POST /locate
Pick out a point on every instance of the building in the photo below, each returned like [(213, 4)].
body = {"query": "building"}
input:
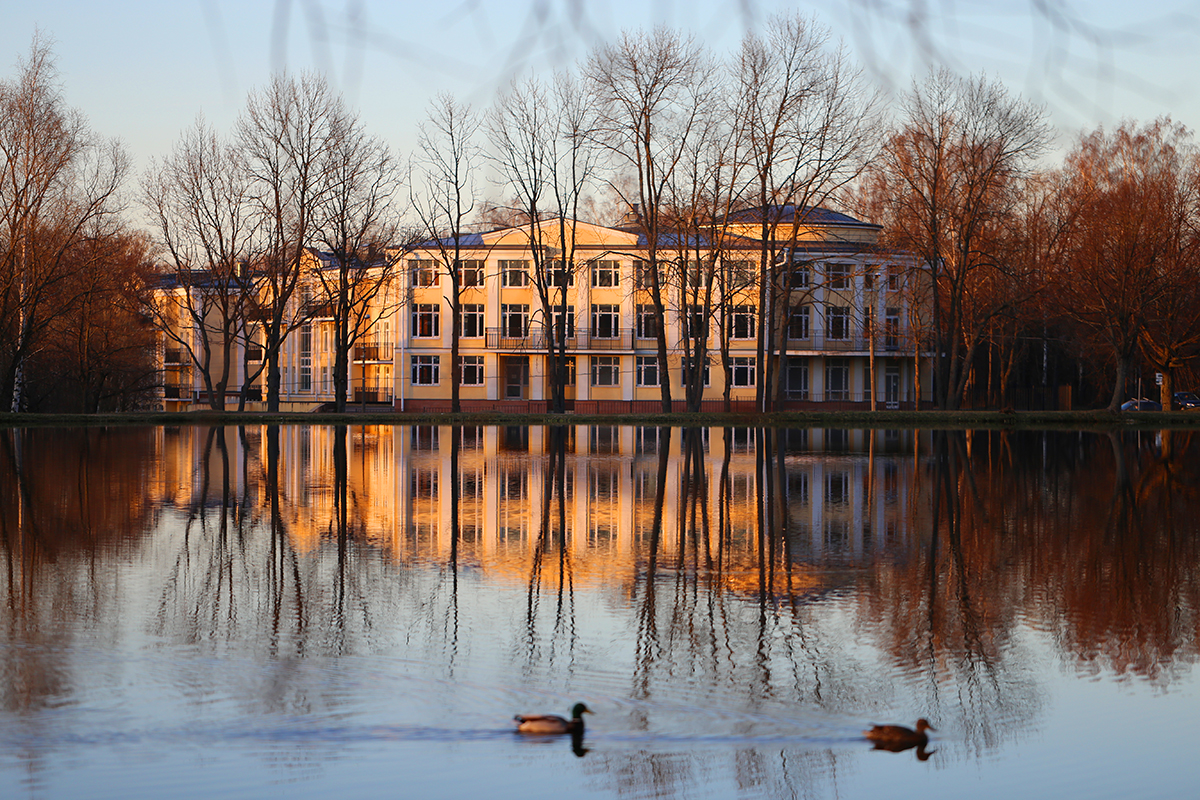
[(849, 316)]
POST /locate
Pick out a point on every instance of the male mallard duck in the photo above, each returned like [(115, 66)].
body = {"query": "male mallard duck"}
[(898, 737), (549, 723)]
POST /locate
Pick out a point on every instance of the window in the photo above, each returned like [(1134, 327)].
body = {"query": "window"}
[(472, 370), (563, 321), (426, 319), (891, 328), (687, 371), (605, 273), (799, 277), (647, 370), (306, 338), (693, 272), (470, 320), (741, 322), (514, 273), (695, 320), (568, 370), (742, 273), (893, 277), (559, 274), (839, 322), (797, 378), (424, 272), (470, 272), (837, 379), (642, 279), (744, 371), (606, 371), (606, 320), (869, 280), (426, 370), (647, 323), (798, 323), (838, 276), (514, 320)]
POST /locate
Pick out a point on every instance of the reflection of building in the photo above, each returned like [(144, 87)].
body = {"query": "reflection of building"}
[(848, 313), (842, 497)]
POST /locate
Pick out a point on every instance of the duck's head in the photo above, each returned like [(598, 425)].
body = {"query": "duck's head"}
[(923, 725), (579, 710)]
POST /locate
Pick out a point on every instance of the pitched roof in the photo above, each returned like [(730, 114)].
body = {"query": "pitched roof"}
[(787, 213)]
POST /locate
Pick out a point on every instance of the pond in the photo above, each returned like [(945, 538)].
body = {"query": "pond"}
[(360, 611)]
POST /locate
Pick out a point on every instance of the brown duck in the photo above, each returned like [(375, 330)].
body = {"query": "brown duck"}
[(551, 724), (898, 737)]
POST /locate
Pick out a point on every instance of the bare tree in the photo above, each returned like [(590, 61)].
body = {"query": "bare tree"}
[(197, 201), (946, 184), (540, 138), (442, 192), (651, 91), (285, 136), (811, 127), (355, 224), (58, 185)]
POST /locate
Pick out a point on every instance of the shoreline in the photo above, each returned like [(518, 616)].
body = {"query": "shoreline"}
[(1092, 420)]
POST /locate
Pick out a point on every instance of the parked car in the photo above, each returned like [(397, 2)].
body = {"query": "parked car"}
[(1141, 404), (1188, 401)]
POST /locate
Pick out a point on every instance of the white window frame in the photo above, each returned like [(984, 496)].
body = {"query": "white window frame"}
[(610, 312), (470, 370), (425, 370), (473, 312), (743, 320), (430, 313), (647, 370), (646, 322), (470, 272), (744, 371), (424, 272), (606, 274), (514, 273), (608, 367)]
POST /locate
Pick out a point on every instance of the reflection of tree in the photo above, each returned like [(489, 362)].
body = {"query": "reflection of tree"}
[(552, 542), (57, 537)]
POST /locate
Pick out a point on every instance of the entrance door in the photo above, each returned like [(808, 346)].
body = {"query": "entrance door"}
[(516, 377), (891, 387)]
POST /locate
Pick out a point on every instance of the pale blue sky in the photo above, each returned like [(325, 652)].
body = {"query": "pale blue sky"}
[(141, 70)]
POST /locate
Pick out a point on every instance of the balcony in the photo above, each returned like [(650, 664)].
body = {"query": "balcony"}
[(374, 352), (176, 357), (840, 341), (372, 394), (537, 340), (317, 310)]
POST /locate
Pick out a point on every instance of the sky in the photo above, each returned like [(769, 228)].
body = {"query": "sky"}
[(143, 70)]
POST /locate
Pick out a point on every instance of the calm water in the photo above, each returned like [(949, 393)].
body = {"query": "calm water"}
[(320, 612)]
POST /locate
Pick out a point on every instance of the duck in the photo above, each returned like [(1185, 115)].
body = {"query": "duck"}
[(551, 723), (898, 737)]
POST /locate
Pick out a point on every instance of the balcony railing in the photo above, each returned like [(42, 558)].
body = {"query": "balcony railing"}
[(176, 357), (841, 341), (374, 352), (378, 394), (538, 339), (317, 310)]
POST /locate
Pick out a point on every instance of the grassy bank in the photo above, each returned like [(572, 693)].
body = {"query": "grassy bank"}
[(1090, 420)]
